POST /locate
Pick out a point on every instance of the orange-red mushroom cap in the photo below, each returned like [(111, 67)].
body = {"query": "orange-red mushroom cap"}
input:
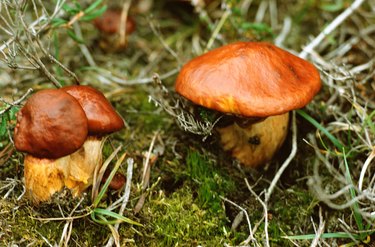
[(251, 79), (51, 124), (102, 117)]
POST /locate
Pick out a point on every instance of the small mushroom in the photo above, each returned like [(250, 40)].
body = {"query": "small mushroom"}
[(112, 37), (255, 80), (102, 120), (50, 127), (117, 182)]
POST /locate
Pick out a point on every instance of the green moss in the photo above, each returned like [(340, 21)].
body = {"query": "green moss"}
[(193, 213), (208, 181), (291, 212), (179, 220)]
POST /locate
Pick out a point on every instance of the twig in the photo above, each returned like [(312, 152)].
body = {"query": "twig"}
[(10, 186), (35, 56), (85, 51), (24, 40), (287, 161), (261, 11), (273, 13), (251, 236), (45, 239), (265, 212), (364, 169), (53, 59), (61, 218), (67, 230), (16, 102), (123, 18), (218, 27), (284, 31), (125, 198), (106, 74), (184, 118), (320, 229), (162, 41), (6, 153), (146, 175), (330, 28)]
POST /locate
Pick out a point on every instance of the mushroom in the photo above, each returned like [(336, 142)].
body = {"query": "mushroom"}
[(50, 126), (118, 181), (102, 120), (256, 84), (109, 24)]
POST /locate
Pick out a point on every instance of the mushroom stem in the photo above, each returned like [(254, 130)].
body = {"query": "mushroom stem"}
[(257, 143), (44, 177), (82, 165)]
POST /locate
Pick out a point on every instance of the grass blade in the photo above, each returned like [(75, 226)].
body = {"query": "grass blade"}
[(99, 197), (333, 139), (324, 235), (116, 216), (357, 215)]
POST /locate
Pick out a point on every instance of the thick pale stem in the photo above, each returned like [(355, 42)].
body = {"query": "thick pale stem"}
[(82, 165), (256, 144), (44, 177)]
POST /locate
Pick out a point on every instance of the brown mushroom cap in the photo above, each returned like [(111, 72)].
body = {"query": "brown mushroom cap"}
[(251, 79), (117, 182), (110, 22), (52, 124), (102, 117)]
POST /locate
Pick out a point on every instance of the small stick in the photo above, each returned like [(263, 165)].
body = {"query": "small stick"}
[(286, 162), (330, 28), (118, 80), (218, 27), (284, 31), (251, 235), (320, 230), (129, 174), (85, 51), (265, 211), (53, 59), (123, 19), (164, 43), (14, 103), (364, 169), (146, 175)]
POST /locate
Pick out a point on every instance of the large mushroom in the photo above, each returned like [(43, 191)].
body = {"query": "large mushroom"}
[(256, 84), (102, 120), (50, 127)]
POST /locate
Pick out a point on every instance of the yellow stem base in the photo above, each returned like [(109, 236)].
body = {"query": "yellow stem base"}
[(44, 177), (256, 144)]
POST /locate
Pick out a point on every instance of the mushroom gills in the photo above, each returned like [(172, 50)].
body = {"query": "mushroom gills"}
[(255, 144)]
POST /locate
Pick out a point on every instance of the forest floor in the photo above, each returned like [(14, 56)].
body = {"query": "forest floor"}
[(182, 188)]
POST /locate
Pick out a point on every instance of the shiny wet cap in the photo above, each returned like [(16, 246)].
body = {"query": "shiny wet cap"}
[(51, 124), (249, 79), (102, 117)]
